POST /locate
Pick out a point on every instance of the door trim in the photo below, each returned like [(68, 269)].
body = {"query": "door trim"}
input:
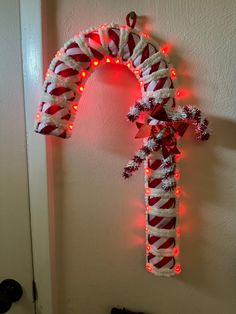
[(32, 59)]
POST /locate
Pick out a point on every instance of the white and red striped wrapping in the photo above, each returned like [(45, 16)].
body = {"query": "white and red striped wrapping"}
[(63, 86), (161, 215)]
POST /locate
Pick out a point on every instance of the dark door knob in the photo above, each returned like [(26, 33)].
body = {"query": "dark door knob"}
[(10, 291)]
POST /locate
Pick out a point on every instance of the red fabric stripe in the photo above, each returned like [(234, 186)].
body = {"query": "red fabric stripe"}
[(53, 109), (66, 72), (165, 260), (154, 221), (48, 129), (66, 117), (96, 54), (81, 57), (59, 90), (153, 200), (131, 44), (171, 224), (169, 243), (63, 135), (152, 239), (154, 165), (95, 37), (154, 183), (169, 204)]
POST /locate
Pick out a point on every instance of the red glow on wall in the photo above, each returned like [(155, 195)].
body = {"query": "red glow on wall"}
[(182, 93), (177, 269), (178, 156), (182, 209), (149, 267), (178, 232)]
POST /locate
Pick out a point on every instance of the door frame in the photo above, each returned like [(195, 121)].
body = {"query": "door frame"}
[(32, 59)]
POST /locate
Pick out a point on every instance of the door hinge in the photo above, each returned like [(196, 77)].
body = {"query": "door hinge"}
[(34, 291)]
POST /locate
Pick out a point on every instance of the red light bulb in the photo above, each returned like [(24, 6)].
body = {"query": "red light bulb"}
[(176, 251), (178, 191), (177, 156), (147, 191), (128, 64), (81, 88), (38, 116), (147, 208), (149, 267), (108, 60), (136, 72), (83, 74), (117, 61), (173, 73), (146, 229), (95, 63), (148, 248), (177, 269), (70, 126), (177, 174), (75, 107), (147, 171)]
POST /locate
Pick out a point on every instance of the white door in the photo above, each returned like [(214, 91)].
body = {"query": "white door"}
[(15, 237)]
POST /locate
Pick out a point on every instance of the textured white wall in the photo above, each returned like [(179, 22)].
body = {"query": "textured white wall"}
[(99, 217)]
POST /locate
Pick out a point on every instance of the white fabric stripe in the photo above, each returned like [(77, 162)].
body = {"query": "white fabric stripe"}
[(163, 272), (70, 62), (156, 75), (161, 252), (170, 212), (139, 48), (80, 40), (74, 51), (124, 33), (168, 233), (156, 57), (59, 99), (104, 38), (61, 67)]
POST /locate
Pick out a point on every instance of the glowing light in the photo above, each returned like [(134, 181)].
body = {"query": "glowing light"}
[(117, 61), (47, 74), (177, 156), (178, 93), (149, 268), (108, 60), (70, 126), (165, 49), (147, 171), (146, 229), (141, 83), (128, 64), (81, 88), (83, 74), (176, 251), (59, 54), (177, 269), (177, 174), (178, 191), (178, 231), (136, 72), (38, 116), (147, 191), (148, 248), (173, 73), (147, 208), (95, 63), (75, 107)]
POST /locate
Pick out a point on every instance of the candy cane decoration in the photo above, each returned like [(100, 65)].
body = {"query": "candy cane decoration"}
[(164, 122)]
